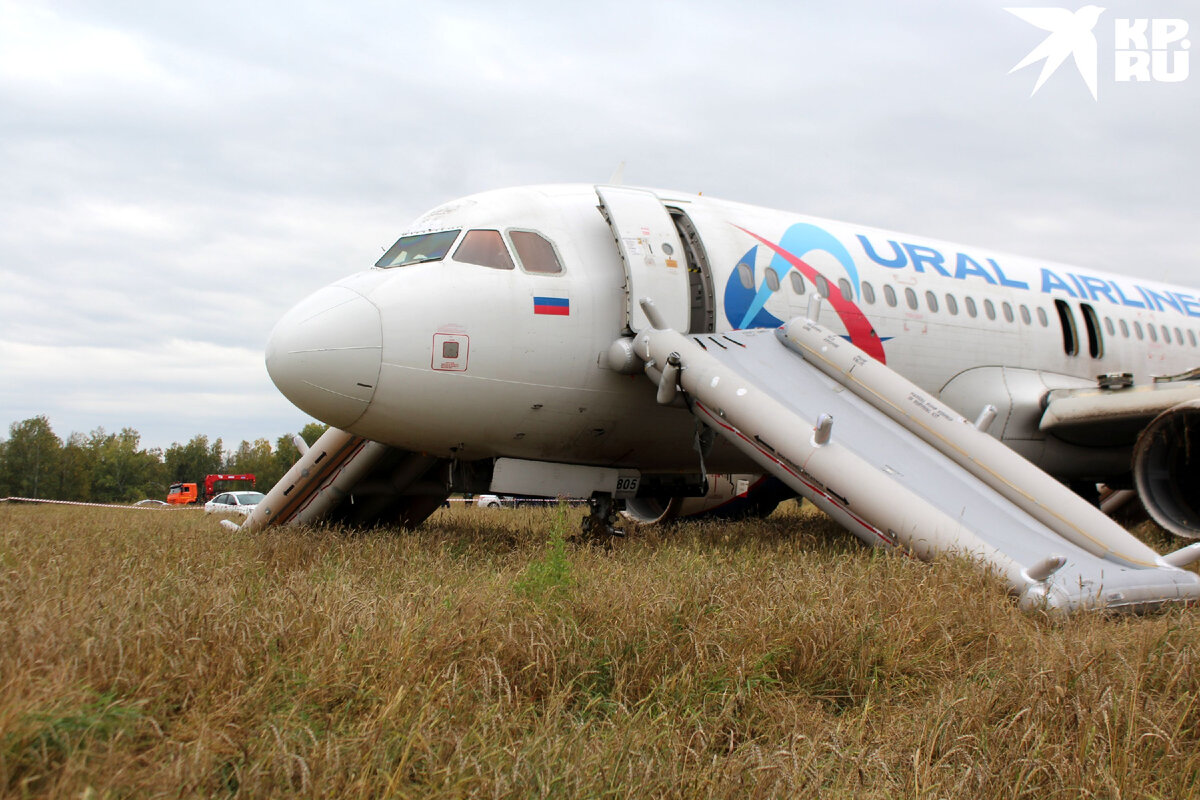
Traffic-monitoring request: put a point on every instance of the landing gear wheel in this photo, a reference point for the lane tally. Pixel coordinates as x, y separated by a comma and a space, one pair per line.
600, 525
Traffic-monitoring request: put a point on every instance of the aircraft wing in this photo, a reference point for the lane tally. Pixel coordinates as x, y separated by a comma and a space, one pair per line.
1114, 417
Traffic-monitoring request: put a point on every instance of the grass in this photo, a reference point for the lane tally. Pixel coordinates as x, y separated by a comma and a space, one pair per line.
156, 654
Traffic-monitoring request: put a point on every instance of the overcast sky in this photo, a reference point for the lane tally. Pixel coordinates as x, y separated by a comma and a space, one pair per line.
174, 176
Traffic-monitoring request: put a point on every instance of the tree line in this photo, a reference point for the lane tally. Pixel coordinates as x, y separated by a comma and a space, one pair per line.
102, 467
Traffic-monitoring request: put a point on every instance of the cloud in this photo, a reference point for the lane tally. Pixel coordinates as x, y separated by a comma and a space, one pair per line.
42, 51
169, 390
177, 176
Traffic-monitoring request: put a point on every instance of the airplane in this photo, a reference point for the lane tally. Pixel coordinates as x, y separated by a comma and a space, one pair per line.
921, 392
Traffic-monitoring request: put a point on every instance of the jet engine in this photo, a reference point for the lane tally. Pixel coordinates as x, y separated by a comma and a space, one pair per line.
728, 497
1166, 469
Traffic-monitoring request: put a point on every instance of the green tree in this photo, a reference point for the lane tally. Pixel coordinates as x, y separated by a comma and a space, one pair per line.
313, 431
286, 453
123, 472
112, 467
31, 458
258, 459
75, 469
190, 462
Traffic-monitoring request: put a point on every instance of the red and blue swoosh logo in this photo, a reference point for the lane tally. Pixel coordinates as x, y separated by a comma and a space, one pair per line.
746, 307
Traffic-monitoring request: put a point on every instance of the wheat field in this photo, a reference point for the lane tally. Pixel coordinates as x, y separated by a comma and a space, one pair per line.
156, 654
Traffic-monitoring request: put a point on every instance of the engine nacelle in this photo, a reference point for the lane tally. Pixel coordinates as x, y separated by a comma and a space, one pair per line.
1166, 469
728, 497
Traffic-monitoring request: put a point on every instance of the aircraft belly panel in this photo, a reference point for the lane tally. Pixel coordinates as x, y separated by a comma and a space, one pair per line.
613, 423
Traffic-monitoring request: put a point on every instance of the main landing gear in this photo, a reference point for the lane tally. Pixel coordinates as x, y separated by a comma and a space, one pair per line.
600, 525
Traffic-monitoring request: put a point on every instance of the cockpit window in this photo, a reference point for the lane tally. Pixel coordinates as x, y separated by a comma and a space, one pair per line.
485, 248
417, 248
535, 252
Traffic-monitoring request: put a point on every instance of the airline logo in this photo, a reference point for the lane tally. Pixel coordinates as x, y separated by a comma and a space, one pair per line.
746, 307
748, 294
552, 306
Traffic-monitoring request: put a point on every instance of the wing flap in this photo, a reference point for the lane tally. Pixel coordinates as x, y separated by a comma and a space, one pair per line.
1111, 417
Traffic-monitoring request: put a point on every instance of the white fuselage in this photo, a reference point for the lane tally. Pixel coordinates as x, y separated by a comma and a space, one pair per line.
463, 360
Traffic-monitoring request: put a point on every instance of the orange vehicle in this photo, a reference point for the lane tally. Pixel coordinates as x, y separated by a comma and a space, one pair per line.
181, 494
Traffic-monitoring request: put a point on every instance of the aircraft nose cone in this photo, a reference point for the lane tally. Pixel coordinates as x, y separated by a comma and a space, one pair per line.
324, 355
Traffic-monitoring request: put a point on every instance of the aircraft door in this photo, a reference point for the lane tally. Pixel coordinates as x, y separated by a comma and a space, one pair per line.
654, 257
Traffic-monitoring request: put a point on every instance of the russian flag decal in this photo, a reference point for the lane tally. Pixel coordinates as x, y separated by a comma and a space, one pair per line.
554, 306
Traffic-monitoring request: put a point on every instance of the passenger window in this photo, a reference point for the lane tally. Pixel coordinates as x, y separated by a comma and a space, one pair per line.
1043, 318
1008, 312
535, 252
1108, 326
1192, 338
1179, 335
1137, 330
931, 299
822, 286
1124, 328
772, 278
989, 309
910, 297
847, 292
951, 304
1028, 320
484, 248
889, 295
745, 275
868, 293
797, 281
972, 312
1166, 334
1150, 329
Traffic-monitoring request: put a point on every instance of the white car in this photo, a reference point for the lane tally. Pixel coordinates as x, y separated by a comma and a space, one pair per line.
234, 503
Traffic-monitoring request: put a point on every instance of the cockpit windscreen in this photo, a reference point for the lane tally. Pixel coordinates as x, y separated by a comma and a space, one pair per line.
417, 248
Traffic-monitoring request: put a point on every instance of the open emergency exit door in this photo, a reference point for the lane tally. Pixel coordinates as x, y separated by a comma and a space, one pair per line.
655, 261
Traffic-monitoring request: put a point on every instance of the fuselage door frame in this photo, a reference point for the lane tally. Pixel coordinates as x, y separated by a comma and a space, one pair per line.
653, 256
